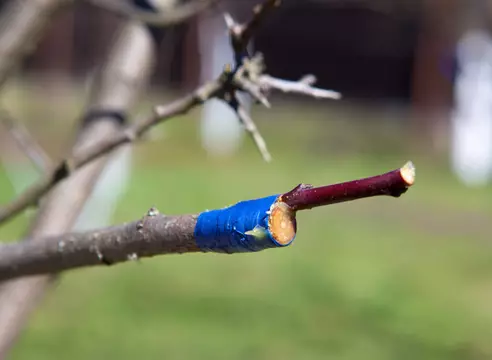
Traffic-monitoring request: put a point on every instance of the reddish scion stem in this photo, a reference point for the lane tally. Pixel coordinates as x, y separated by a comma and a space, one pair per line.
393, 183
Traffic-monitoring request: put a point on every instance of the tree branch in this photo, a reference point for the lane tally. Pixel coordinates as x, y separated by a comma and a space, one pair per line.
246, 77
251, 128
156, 234
160, 235
304, 86
241, 34
64, 169
394, 183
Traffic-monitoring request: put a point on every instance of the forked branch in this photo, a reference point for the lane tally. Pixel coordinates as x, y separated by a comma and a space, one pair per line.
248, 75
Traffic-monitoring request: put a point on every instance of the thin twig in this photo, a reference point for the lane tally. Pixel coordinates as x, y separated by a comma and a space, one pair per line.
166, 17
393, 183
251, 128
300, 87
64, 169
26, 141
241, 34
253, 89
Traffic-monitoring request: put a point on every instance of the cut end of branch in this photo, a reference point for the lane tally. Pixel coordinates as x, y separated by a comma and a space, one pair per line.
407, 173
282, 223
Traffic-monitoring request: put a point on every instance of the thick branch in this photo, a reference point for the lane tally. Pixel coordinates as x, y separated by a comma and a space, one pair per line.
152, 235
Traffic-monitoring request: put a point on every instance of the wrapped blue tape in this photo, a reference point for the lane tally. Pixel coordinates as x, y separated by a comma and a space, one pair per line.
225, 230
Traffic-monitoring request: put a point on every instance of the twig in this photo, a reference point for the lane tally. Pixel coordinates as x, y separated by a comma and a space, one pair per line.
251, 128
32, 195
26, 141
242, 78
393, 183
166, 17
156, 234
249, 74
301, 87
241, 34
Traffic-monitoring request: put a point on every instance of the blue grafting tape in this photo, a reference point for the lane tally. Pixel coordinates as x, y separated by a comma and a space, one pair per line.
224, 230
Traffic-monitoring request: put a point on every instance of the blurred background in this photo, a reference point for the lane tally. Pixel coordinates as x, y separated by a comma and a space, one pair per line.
380, 278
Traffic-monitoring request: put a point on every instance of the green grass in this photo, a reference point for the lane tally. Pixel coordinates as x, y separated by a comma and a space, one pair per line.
376, 279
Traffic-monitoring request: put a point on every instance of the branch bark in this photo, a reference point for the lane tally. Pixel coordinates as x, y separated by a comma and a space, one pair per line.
152, 235
117, 85
393, 183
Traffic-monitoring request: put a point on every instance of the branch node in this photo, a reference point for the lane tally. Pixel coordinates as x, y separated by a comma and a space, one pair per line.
247, 75
100, 255
153, 211
62, 171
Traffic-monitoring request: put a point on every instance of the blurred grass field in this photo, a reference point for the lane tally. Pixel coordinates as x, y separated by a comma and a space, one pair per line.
381, 278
